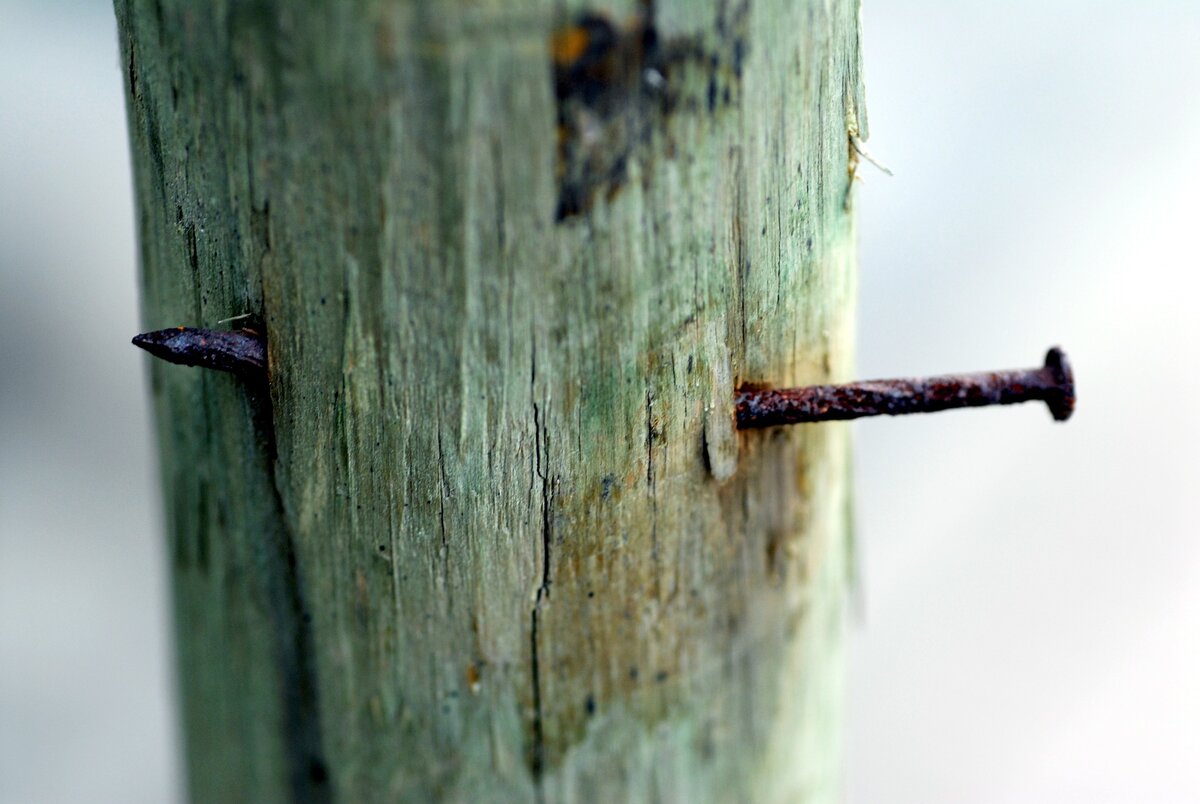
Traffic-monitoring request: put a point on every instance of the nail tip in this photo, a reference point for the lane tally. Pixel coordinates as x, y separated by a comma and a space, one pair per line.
153, 342
240, 352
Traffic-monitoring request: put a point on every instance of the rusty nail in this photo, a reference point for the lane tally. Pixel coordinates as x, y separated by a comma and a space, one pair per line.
242, 351
1053, 384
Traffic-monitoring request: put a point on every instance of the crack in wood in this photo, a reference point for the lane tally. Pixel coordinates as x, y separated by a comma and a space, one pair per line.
308, 769
537, 748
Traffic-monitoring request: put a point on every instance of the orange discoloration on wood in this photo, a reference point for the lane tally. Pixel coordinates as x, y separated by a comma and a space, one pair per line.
568, 44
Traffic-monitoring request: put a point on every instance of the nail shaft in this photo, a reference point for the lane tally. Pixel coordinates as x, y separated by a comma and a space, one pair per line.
1053, 384
240, 351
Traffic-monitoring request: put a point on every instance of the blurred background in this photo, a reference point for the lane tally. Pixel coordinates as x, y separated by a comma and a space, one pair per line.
1029, 622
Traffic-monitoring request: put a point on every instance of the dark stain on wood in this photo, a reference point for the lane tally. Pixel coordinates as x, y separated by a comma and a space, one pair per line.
618, 84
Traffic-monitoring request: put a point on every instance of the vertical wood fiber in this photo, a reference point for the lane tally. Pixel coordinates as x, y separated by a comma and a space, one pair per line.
490, 534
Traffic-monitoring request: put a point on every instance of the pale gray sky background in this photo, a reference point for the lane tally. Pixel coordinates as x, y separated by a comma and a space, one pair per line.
1030, 630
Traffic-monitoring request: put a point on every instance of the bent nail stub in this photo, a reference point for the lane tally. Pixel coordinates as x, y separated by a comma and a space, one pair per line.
241, 351
1053, 384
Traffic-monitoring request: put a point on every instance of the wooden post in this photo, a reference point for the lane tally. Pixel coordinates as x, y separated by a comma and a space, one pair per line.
489, 533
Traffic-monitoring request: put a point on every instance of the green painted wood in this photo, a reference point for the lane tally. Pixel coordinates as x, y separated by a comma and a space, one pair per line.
488, 533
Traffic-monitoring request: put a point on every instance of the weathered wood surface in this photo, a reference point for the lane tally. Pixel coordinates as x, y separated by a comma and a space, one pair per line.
499, 539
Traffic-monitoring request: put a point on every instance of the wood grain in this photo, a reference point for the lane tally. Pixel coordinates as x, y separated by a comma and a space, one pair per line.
493, 535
